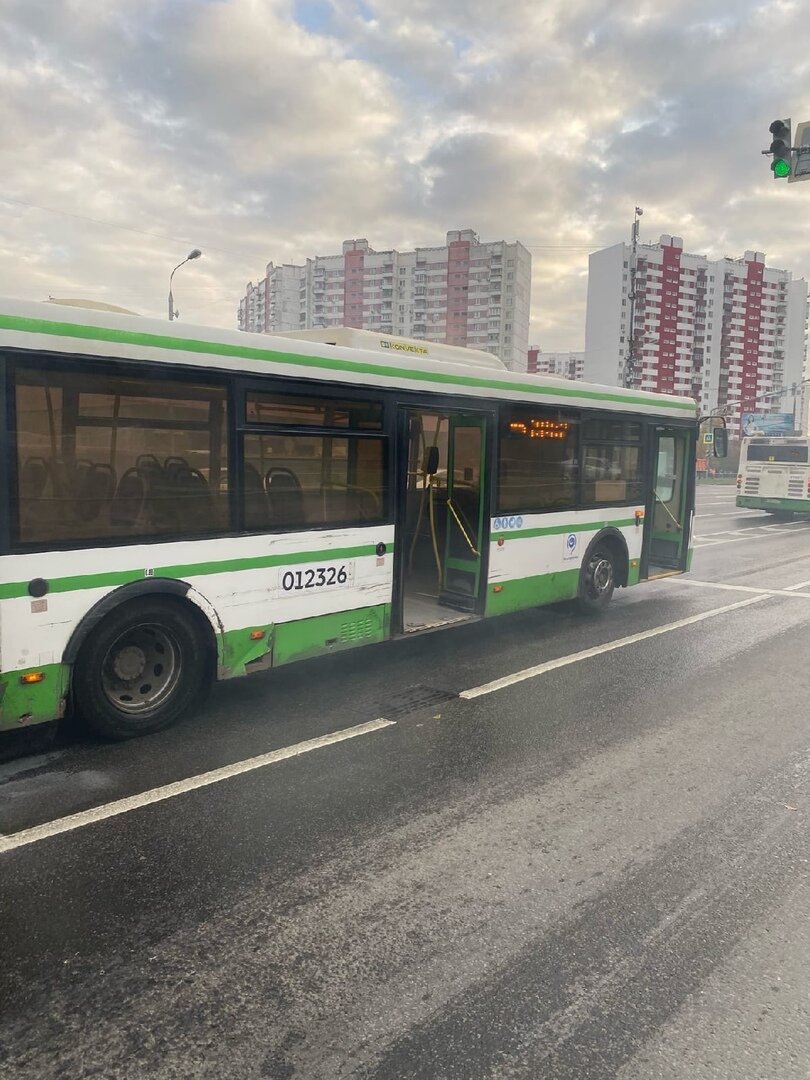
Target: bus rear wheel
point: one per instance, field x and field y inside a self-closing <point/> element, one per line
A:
<point x="140" y="669"/>
<point x="597" y="581"/>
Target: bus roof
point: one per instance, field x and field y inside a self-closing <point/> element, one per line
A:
<point x="379" y="342"/>
<point x="35" y="326"/>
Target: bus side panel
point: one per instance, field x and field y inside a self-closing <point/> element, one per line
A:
<point x="536" y="558"/>
<point x="269" y="599"/>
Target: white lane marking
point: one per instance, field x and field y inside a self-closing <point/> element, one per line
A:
<point x="793" y="588"/>
<point x="731" y="513"/>
<point x="707" y="541"/>
<point x="789" y="591"/>
<point x="597" y="650"/>
<point x="180" y="787"/>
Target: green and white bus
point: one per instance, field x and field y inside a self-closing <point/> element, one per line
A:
<point x="180" y="504"/>
<point x="774" y="475"/>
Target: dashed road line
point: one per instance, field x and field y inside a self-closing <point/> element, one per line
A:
<point x="791" y="590"/>
<point x="180" y="787"/>
<point x="598" y="650"/>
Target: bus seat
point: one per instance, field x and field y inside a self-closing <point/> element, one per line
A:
<point x="189" y="490"/>
<point x="34" y="476"/>
<point x="257" y="509"/>
<point x="174" y="461"/>
<point x="94" y="489"/>
<point x="285" y="496"/>
<point x="129" y="499"/>
<point x="147" y="461"/>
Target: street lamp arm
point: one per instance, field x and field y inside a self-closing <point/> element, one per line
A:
<point x="171" y="276"/>
<point x="195" y="253"/>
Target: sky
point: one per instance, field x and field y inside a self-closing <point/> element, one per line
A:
<point x="262" y="130"/>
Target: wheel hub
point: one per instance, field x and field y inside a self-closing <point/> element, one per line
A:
<point x="142" y="668"/>
<point x="601" y="575"/>
<point x="129" y="663"/>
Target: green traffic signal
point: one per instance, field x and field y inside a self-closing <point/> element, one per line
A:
<point x="780" y="167"/>
<point x="780" y="149"/>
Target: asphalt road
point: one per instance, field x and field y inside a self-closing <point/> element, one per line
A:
<point x="595" y="870"/>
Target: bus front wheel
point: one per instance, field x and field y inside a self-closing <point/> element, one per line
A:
<point x="597" y="580"/>
<point x="141" y="668"/>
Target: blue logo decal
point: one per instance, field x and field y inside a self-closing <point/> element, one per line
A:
<point x="515" y="521"/>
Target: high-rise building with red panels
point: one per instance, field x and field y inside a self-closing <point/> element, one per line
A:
<point x="465" y="293"/>
<point x="726" y="332"/>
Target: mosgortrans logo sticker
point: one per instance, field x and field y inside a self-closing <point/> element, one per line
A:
<point x="571" y="546"/>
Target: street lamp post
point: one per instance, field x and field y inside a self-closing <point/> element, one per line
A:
<point x="630" y="361"/>
<point x="195" y="253"/>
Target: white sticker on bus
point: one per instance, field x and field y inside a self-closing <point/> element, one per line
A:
<point x="571" y="550"/>
<point x="301" y="578"/>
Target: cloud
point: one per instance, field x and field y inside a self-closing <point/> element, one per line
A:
<point x="274" y="129"/>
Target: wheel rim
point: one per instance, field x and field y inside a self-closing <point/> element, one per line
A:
<point x="599" y="577"/>
<point x="141" y="669"/>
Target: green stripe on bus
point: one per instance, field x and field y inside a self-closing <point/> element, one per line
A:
<point x="761" y="502"/>
<point x="247" y="352"/>
<point x="183" y="570"/>
<point x="556" y="530"/>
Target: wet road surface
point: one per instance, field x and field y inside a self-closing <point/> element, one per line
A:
<point x="590" y="869"/>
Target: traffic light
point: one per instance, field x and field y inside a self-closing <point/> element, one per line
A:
<point x="781" y="149"/>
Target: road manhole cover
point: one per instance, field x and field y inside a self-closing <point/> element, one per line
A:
<point x="410" y="699"/>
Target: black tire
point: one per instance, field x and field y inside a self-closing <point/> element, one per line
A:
<point x="597" y="580"/>
<point x="141" y="668"/>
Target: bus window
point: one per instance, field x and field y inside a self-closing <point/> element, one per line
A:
<point x="782" y="454"/>
<point x="111" y="457"/>
<point x="665" y="473"/>
<point x="612" y="468"/>
<point x="538" y="460"/>
<point x="289" y="410"/>
<point x="308" y="481"/>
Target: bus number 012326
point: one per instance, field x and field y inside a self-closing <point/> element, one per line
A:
<point x="314" y="577"/>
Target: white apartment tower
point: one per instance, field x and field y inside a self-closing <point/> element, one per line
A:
<point x="465" y="293"/>
<point x="566" y="365"/>
<point x="724" y="332"/>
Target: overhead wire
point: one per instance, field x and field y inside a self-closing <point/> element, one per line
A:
<point x="213" y="247"/>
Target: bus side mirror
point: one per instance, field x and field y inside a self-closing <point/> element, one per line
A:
<point x="432" y="461"/>
<point x="720" y="442"/>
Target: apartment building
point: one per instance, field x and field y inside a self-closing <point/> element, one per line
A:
<point x="466" y="293"/>
<point x="567" y="365"/>
<point x="726" y="332"/>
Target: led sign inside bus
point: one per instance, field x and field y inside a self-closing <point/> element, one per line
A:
<point x="541" y="429"/>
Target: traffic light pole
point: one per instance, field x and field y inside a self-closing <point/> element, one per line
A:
<point x="796" y="389"/>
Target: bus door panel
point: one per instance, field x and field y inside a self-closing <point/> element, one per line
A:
<point x="668" y="517"/>
<point x="465" y="517"/>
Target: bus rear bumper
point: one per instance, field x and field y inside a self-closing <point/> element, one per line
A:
<point x="756" y="502"/>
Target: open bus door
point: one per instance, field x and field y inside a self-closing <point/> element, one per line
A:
<point x="668" y="518"/>
<point x="442" y="530"/>
<point x="461" y="571"/>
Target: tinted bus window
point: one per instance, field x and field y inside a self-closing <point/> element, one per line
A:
<point x="310" y="481"/>
<point x="538" y="460"/>
<point x="612" y="467"/>
<point x="796" y="455"/>
<point x="111" y="457"/>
